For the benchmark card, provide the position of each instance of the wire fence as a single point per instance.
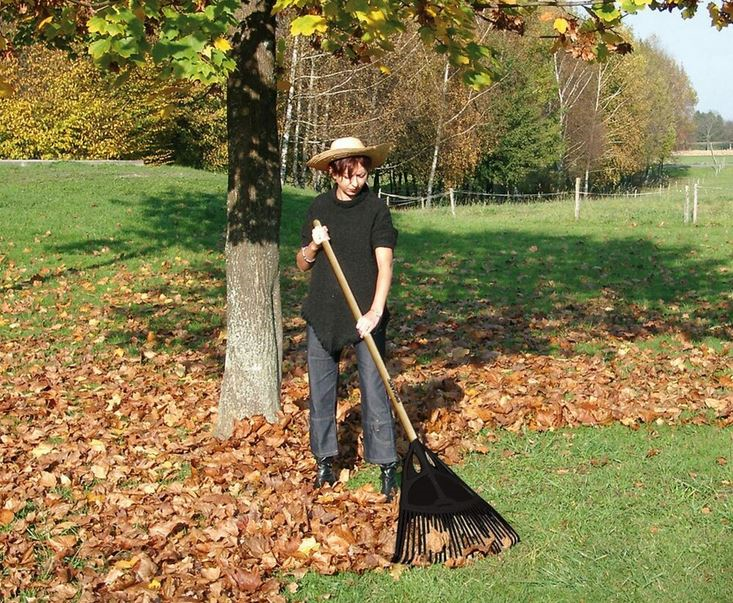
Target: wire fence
(454, 198)
(457, 197)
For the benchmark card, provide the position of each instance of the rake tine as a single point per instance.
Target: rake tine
(409, 543)
(469, 531)
(456, 538)
(474, 529)
(425, 528)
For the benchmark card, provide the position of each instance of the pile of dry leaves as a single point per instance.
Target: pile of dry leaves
(112, 485)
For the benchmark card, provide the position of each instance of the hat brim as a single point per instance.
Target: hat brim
(377, 154)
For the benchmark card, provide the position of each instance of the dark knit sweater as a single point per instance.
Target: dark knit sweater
(356, 228)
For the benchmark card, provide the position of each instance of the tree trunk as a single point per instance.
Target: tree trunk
(252, 373)
(296, 135)
(288, 113)
(309, 132)
(438, 135)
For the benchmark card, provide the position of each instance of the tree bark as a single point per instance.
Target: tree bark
(438, 135)
(252, 373)
(288, 113)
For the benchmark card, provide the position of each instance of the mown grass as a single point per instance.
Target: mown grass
(626, 263)
(605, 514)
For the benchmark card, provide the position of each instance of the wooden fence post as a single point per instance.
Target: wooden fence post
(452, 202)
(577, 199)
(687, 203)
(694, 202)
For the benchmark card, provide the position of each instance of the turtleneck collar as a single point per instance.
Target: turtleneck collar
(351, 202)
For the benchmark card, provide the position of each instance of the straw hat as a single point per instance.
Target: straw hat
(349, 147)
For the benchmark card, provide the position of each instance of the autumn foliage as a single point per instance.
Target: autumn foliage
(66, 108)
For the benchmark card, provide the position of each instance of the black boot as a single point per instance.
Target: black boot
(389, 478)
(324, 471)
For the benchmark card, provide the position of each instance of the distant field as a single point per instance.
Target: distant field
(698, 152)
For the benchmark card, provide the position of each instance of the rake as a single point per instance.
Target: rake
(440, 516)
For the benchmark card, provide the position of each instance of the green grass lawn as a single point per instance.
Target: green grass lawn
(628, 262)
(606, 514)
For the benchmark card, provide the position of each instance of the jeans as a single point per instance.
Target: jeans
(376, 411)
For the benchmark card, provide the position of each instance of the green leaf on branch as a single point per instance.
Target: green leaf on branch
(607, 12)
(126, 47)
(96, 25)
(427, 35)
(99, 48)
(477, 79)
(633, 6)
(281, 5)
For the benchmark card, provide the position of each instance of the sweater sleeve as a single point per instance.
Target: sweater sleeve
(307, 229)
(384, 234)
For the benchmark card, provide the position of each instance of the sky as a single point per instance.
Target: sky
(705, 53)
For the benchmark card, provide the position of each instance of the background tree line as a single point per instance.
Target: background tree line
(547, 118)
(713, 131)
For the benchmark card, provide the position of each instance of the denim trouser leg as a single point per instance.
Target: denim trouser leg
(376, 410)
(323, 372)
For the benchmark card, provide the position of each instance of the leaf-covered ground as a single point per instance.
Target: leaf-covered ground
(114, 488)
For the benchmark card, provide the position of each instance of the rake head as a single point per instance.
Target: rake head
(441, 517)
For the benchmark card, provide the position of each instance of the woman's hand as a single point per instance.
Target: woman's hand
(320, 234)
(368, 322)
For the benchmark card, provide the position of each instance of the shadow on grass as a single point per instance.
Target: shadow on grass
(194, 222)
(497, 290)
(516, 288)
(162, 227)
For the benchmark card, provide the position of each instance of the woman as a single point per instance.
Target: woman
(359, 226)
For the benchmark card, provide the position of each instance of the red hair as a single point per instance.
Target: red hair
(346, 165)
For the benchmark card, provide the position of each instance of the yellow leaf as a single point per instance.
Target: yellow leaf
(97, 445)
(45, 22)
(41, 450)
(309, 544)
(124, 564)
(372, 18)
(307, 25)
(99, 471)
(154, 584)
(560, 25)
(222, 44)
(385, 70)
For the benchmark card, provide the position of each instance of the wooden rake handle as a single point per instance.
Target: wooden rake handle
(376, 356)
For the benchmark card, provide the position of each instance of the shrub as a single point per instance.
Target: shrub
(64, 108)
